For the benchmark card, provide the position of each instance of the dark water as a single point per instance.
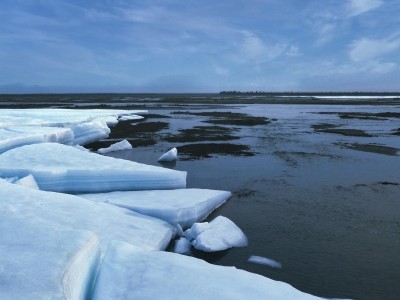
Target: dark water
(325, 205)
(329, 214)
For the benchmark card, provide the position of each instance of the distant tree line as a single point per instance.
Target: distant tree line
(357, 93)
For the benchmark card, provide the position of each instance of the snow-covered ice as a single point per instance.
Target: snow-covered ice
(61, 168)
(219, 234)
(264, 261)
(164, 275)
(122, 145)
(28, 181)
(88, 132)
(180, 206)
(107, 221)
(169, 155)
(43, 260)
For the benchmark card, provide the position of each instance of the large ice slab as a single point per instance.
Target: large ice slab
(220, 234)
(107, 221)
(129, 273)
(43, 260)
(16, 136)
(62, 117)
(88, 132)
(180, 206)
(63, 168)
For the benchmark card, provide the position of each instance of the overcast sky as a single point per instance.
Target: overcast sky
(200, 46)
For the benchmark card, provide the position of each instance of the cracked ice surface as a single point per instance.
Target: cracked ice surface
(147, 275)
(108, 222)
(43, 260)
(180, 206)
(61, 168)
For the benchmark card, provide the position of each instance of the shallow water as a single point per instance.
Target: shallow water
(329, 214)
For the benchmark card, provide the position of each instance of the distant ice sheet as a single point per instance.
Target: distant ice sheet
(127, 272)
(180, 206)
(108, 222)
(43, 260)
(220, 234)
(122, 145)
(63, 168)
(264, 261)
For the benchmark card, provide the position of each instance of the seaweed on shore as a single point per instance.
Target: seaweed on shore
(207, 150)
(203, 133)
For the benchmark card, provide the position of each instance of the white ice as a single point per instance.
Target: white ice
(122, 145)
(220, 234)
(180, 206)
(16, 136)
(169, 155)
(264, 261)
(61, 168)
(130, 118)
(108, 222)
(84, 126)
(28, 181)
(127, 272)
(43, 260)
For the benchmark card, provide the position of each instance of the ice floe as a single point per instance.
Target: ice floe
(169, 155)
(122, 145)
(180, 206)
(130, 118)
(43, 260)
(219, 234)
(264, 261)
(108, 222)
(61, 168)
(164, 275)
(85, 133)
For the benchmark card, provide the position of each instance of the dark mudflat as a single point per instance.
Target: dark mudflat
(345, 131)
(379, 149)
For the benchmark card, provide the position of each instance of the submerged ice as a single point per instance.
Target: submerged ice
(63, 168)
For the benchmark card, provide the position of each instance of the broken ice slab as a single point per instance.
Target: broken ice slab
(220, 234)
(129, 273)
(122, 145)
(107, 221)
(63, 168)
(62, 117)
(28, 181)
(85, 133)
(16, 136)
(180, 206)
(130, 118)
(169, 155)
(43, 260)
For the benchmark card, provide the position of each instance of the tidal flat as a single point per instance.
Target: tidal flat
(313, 200)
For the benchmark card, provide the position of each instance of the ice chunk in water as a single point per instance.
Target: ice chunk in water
(63, 168)
(169, 156)
(122, 145)
(42, 260)
(181, 206)
(220, 234)
(28, 181)
(130, 118)
(264, 261)
(129, 273)
(88, 132)
(108, 222)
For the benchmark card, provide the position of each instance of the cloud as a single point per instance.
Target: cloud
(358, 7)
(368, 49)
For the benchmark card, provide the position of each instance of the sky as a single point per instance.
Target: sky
(199, 46)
